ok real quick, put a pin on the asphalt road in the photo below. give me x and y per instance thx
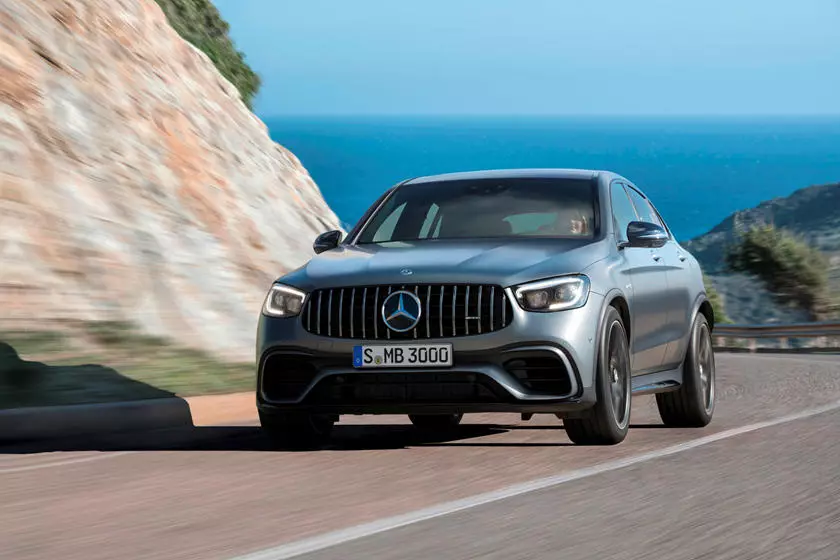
(762, 481)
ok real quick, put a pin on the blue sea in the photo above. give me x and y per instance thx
(697, 171)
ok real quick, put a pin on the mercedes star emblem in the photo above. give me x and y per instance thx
(401, 311)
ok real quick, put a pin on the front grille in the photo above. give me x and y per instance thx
(447, 310)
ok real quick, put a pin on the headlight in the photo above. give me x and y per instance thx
(556, 294)
(283, 301)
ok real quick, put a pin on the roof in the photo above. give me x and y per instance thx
(547, 173)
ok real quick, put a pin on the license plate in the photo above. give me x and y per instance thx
(402, 355)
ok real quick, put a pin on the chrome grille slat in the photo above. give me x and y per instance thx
(455, 311)
(467, 312)
(376, 315)
(352, 310)
(320, 297)
(329, 315)
(442, 290)
(387, 330)
(428, 302)
(340, 312)
(480, 288)
(364, 312)
(492, 305)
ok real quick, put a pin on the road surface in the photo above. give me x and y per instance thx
(762, 481)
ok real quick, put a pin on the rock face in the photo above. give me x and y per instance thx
(134, 183)
(811, 212)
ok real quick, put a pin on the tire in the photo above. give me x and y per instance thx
(693, 404)
(435, 422)
(607, 422)
(297, 430)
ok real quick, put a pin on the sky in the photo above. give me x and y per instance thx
(541, 57)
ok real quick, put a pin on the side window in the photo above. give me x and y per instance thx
(661, 220)
(622, 209)
(646, 213)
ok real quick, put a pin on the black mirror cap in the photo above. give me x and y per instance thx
(327, 241)
(646, 234)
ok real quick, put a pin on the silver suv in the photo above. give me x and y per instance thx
(531, 291)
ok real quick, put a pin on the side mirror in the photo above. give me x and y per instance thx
(327, 241)
(646, 234)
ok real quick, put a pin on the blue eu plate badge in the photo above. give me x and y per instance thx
(357, 356)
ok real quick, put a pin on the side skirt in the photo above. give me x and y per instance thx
(658, 382)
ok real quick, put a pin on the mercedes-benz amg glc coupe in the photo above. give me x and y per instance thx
(531, 291)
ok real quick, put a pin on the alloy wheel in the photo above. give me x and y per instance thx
(619, 375)
(706, 367)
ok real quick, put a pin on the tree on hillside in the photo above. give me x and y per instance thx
(794, 272)
(716, 301)
(199, 23)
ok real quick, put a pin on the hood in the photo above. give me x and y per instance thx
(503, 262)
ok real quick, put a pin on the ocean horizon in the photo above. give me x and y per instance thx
(697, 170)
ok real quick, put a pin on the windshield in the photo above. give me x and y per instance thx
(482, 208)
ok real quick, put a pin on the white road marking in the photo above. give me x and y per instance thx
(327, 540)
(65, 462)
(824, 358)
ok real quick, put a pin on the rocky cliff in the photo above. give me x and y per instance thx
(135, 185)
(813, 213)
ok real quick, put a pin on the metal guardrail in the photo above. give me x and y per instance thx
(821, 331)
(779, 330)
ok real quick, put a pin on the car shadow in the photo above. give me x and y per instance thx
(32, 383)
(346, 437)
(25, 383)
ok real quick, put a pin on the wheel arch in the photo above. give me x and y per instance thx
(615, 298)
(704, 306)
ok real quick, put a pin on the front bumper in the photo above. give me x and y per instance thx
(541, 362)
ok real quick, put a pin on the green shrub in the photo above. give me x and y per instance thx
(199, 22)
(123, 335)
(716, 301)
(794, 272)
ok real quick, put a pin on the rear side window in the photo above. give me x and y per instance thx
(646, 213)
(623, 211)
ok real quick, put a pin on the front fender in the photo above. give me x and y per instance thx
(608, 301)
(611, 296)
(698, 304)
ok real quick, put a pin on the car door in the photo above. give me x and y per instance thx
(677, 297)
(684, 280)
(644, 281)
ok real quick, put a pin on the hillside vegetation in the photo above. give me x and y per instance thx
(810, 215)
(199, 22)
(793, 271)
